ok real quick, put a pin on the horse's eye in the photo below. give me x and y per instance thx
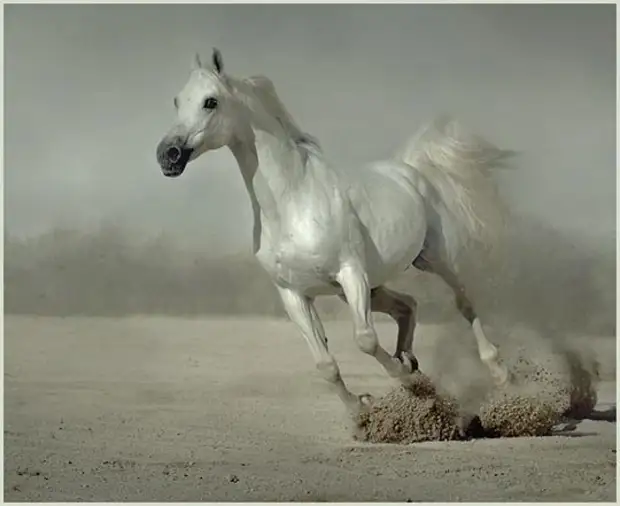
(176, 102)
(210, 103)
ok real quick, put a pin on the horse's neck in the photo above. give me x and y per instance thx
(271, 166)
(269, 163)
(270, 134)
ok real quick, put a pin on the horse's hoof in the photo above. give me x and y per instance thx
(501, 377)
(360, 404)
(366, 400)
(408, 361)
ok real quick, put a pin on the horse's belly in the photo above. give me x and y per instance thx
(399, 240)
(388, 260)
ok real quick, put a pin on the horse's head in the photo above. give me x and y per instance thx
(206, 115)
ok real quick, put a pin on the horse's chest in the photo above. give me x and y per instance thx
(302, 255)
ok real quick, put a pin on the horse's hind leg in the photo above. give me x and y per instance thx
(402, 308)
(486, 350)
(354, 283)
(302, 312)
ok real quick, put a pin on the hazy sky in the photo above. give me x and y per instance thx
(89, 88)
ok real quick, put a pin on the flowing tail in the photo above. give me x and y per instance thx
(459, 168)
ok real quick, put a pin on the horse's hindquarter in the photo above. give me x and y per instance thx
(389, 204)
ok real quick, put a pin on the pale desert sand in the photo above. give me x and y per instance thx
(164, 409)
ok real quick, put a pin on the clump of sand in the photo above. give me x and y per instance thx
(517, 413)
(533, 402)
(409, 415)
(549, 383)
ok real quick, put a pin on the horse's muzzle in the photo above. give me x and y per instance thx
(172, 157)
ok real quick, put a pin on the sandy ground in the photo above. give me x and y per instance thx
(160, 409)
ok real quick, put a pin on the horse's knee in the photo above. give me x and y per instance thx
(367, 341)
(328, 369)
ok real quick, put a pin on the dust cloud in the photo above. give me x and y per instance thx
(109, 273)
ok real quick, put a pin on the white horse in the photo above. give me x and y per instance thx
(321, 231)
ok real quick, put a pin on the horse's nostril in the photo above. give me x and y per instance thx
(173, 153)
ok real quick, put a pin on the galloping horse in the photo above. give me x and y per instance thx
(319, 230)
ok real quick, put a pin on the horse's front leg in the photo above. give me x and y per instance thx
(302, 312)
(354, 282)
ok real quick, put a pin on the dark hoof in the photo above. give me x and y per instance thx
(408, 360)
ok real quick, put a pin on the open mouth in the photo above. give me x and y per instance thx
(173, 171)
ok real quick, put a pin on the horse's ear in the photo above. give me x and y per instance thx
(218, 61)
(196, 64)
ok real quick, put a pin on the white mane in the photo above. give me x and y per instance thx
(261, 89)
